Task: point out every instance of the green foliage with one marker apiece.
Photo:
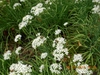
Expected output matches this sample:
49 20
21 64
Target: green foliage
82 33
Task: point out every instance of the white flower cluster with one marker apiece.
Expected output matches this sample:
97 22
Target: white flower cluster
17 37
48 2
38 41
83 70
36 10
44 55
77 1
59 53
59 42
96 9
97 1
17 50
25 21
22 0
77 58
16 5
41 68
55 68
20 69
57 32
7 55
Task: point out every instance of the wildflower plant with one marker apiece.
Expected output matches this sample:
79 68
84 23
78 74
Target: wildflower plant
49 37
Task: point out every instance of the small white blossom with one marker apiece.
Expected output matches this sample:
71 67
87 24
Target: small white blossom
16 5
59 42
38 41
1 2
17 50
20 69
48 2
7 55
59 53
38 34
44 55
22 24
96 9
83 70
97 1
77 57
78 64
36 10
17 37
58 31
25 21
41 68
27 18
77 1
39 5
22 0
55 68
65 50
65 23
12 73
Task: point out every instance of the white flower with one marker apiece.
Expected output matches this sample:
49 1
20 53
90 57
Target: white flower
59 53
12 73
41 68
25 21
17 50
97 1
77 57
1 2
7 55
48 2
44 55
65 50
65 23
39 5
38 41
27 18
38 34
78 64
22 24
83 69
77 1
96 9
22 0
55 68
20 68
17 37
28 74
59 42
16 5
36 10
58 31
